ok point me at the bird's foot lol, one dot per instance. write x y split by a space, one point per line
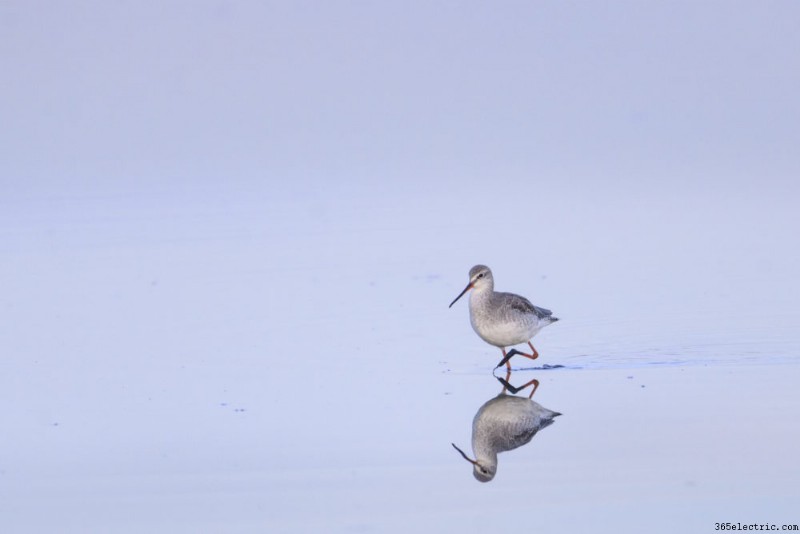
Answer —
509 355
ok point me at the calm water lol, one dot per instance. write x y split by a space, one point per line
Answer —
253 364
229 233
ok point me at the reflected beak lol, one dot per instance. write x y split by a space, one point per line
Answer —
469 286
467 458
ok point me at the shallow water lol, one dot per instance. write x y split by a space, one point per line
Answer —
229 234
242 368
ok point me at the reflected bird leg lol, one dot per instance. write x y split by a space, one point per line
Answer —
507 385
535 387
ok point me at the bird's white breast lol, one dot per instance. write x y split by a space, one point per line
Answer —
498 327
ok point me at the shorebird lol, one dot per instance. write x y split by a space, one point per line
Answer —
502 319
502 424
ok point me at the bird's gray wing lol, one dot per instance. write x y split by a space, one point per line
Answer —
524 305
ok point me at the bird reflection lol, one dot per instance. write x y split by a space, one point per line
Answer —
503 424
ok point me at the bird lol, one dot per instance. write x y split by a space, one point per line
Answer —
502 424
502 319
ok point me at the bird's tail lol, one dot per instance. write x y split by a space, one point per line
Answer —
548 417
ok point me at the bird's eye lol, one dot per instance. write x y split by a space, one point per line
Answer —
480 275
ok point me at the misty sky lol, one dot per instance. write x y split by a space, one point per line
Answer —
134 96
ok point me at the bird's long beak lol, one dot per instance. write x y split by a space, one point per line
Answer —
469 286
467 458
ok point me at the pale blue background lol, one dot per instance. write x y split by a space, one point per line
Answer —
229 232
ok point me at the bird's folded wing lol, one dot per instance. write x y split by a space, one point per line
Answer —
524 305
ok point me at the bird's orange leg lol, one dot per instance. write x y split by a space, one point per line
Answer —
513 352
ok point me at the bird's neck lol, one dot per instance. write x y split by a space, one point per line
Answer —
480 294
484 454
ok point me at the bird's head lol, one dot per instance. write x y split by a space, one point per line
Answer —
481 472
480 277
